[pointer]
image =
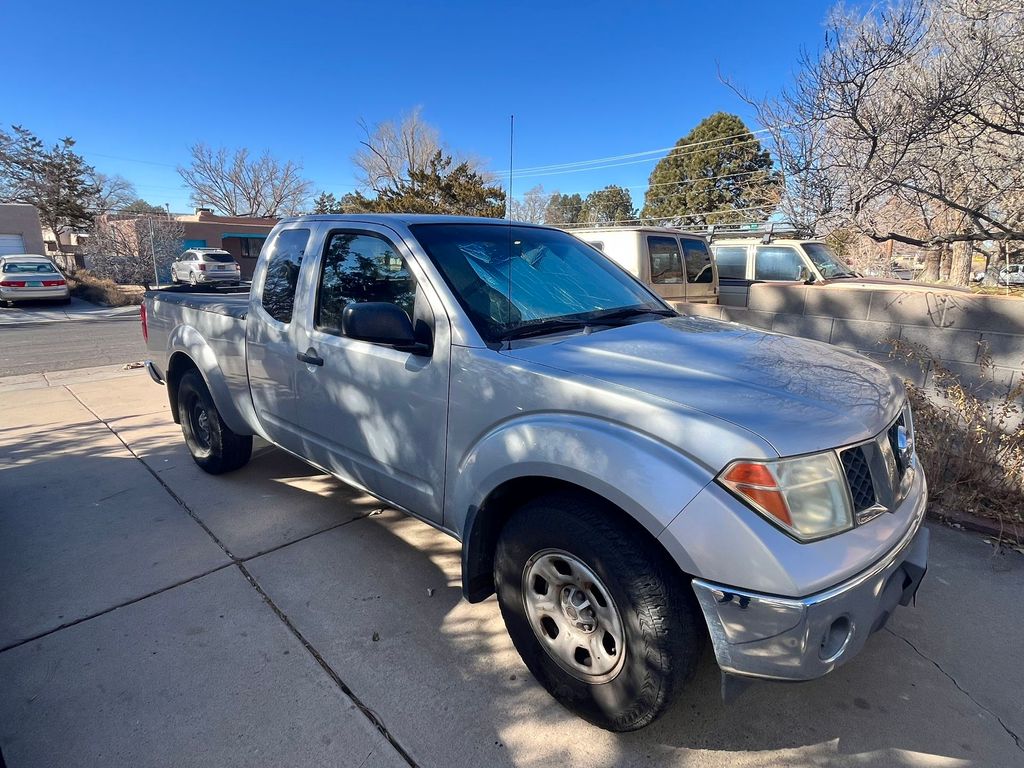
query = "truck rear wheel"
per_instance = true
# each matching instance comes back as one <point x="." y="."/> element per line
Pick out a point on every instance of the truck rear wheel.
<point x="214" y="447"/>
<point x="600" y="616"/>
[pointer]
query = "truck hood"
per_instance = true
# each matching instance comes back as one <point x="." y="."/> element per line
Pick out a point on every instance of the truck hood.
<point x="798" y="395"/>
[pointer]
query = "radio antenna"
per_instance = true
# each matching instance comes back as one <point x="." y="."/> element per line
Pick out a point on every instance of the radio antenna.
<point x="511" y="138"/>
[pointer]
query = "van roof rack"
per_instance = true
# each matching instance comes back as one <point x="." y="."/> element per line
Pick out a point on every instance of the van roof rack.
<point x="765" y="230"/>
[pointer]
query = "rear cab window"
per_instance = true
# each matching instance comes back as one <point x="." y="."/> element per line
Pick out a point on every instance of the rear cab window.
<point x="219" y="258"/>
<point x="284" y="261"/>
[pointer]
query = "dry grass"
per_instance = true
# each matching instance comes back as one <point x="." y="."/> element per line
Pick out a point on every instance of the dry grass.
<point x="970" y="442"/>
<point x="101" y="290"/>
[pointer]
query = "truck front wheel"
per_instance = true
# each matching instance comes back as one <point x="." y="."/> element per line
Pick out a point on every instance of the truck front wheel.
<point x="214" y="447"/>
<point x="601" y="617"/>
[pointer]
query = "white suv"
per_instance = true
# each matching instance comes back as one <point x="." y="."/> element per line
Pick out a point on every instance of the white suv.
<point x="205" y="265"/>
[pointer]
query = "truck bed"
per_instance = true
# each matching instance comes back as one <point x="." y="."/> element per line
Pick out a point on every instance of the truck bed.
<point x="231" y="301"/>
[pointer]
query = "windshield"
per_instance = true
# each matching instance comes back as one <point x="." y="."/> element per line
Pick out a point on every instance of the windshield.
<point x="554" y="277"/>
<point x="29" y="267"/>
<point x="826" y="261"/>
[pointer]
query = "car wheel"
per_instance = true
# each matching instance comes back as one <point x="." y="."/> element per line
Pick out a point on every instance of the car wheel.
<point x="600" y="615"/>
<point x="214" y="447"/>
<point x="192" y="279"/>
<point x="174" y="276"/>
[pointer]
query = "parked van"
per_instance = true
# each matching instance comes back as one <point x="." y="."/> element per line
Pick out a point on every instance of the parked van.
<point x="757" y="254"/>
<point x="677" y="266"/>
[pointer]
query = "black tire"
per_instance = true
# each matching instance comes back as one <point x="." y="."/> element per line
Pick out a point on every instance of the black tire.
<point x="660" y="620"/>
<point x="214" y="447"/>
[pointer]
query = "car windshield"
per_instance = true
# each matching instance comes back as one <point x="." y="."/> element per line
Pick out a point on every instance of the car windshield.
<point x="33" y="267"/>
<point x="518" y="281"/>
<point x="827" y="262"/>
<point x="220" y="258"/>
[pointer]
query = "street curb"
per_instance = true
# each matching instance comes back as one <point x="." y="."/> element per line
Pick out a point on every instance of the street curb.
<point x="1010" y="531"/>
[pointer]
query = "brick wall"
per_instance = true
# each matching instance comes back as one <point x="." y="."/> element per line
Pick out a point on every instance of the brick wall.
<point x="953" y="326"/>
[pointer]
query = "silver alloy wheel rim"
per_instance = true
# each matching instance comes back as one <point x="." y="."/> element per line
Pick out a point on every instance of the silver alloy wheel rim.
<point x="573" y="616"/>
<point x="192" y="278"/>
<point x="201" y="425"/>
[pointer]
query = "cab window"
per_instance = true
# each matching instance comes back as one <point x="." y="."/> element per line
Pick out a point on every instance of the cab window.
<point x="284" y="260"/>
<point x="732" y="261"/>
<point x="360" y="267"/>
<point x="698" y="261"/>
<point x="777" y="262"/>
<point x="666" y="266"/>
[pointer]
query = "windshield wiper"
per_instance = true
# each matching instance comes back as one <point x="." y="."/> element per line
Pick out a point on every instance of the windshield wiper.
<point x="627" y="312"/>
<point x="544" y="327"/>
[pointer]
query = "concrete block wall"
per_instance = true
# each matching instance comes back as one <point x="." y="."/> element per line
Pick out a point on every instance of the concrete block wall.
<point x="954" y="327"/>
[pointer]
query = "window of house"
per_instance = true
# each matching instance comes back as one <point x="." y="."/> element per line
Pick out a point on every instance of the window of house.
<point x="360" y="267"/>
<point x="666" y="265"/>
<point x="732" y="261"/>
<point x="250" y="246"/>
<point x="698" y="261"/>
<point x="283" y="263"/>
<point x="777" y="262"/>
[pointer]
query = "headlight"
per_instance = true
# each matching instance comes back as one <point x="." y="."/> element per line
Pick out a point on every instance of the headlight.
<point x="805" y="496"/>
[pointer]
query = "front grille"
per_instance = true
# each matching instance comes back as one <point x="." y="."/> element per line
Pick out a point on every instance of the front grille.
<point x="858" y="476"/>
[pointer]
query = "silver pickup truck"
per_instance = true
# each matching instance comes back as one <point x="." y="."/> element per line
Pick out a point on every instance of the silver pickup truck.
<point x="630" y="482"/>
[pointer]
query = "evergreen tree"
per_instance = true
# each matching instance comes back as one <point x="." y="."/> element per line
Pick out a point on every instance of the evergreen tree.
<point x="610" y="206"/>
<point x="717" y="173"/>
<point x="56" y="180"/>
<point x="563" y="209"/>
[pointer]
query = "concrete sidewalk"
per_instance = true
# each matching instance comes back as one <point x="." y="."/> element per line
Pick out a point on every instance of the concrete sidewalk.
<point x="156" y="615"/>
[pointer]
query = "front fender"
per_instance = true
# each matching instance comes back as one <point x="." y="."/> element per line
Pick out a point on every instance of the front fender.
<point x="186" y="340"/>
<point x="647" y="479"/>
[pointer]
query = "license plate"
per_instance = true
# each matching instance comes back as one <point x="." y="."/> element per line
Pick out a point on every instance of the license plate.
<point x="34" y="284"/>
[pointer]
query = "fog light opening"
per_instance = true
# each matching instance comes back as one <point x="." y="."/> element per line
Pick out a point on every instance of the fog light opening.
<point x="833" y="643"/>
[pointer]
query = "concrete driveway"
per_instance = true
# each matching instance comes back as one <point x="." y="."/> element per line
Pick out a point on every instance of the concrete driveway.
<point x="154" y="615"/>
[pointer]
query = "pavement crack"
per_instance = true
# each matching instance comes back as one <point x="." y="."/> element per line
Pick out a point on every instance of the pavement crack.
<point x="366" y="711"/>
<point x="1017" y="739"/>
<point x="112" y="608"/>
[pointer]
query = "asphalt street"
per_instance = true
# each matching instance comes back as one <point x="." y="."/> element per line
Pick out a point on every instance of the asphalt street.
<point x="44" y="344"/>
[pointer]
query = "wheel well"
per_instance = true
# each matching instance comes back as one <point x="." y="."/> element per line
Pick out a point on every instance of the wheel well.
<point x="486" y="522"/>
<point x="177" y="367"/>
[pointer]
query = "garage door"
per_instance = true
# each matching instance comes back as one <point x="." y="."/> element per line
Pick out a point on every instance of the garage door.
<point x="11" y="244"/>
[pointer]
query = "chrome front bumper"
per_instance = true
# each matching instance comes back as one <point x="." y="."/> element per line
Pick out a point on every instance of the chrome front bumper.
<point x="779" y="638"/>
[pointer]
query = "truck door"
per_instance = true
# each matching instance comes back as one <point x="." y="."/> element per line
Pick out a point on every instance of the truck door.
<point x="701" y="279"/>
<point x="271" y="330"/>
<point x="667" y="277"/>
<point x="370" y="413"/>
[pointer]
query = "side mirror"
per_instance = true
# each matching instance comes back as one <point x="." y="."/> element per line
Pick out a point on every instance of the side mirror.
<point x="805" y="276"/>
<point x="381" y="322"/>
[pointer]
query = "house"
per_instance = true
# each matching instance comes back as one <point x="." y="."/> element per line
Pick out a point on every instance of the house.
<point x="20" y="230"/>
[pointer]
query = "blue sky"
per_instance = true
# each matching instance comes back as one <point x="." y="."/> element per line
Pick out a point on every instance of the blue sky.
<point x="140" y="82"/>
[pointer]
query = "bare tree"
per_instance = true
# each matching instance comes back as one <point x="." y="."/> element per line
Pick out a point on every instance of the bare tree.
<point x="908" y="126"/>
<point x="533" y="205"/>
<point x="114" y="193"/>
<point x="392" y="150"/>
<point x="239" y="185"/>
<point x="134" y="249"/>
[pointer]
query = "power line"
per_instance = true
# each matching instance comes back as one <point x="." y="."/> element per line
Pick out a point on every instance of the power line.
<point x="683" y="149"/>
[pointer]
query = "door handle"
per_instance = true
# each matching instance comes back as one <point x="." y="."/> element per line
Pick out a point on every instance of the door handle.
<point x="309" y="357"/>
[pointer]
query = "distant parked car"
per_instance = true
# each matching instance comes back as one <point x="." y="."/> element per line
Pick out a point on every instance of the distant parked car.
<point x="26" y="276"/>
<point x="205" y="265"/>
<point x="1012" y="274"/>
